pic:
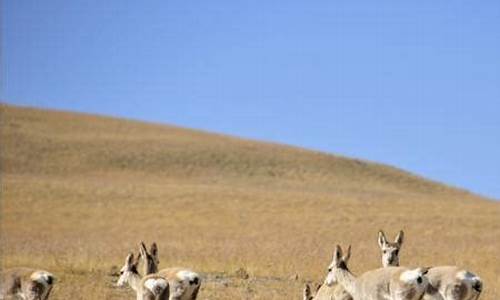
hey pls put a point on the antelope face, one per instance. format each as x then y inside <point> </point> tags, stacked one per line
<point>339,263</point>
<point>390,254</point>
<point>128,270</point>
<point>390,250</point>
<point>124,277</point>
<point>331,279</point>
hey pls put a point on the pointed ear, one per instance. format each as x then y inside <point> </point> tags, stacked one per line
<point>337,254</point>
<point>382,240</point>
<point>154,250</point>
<point>400,238</point>
<point>307,292</point>
<point>130,259</point>
<point>137,260</point>
<point>142,250</point>
<point>346,257</point>
<point>425,270</point>
<point>318,286</point>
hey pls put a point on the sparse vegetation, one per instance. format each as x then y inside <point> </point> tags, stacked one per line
<point>79,191</point>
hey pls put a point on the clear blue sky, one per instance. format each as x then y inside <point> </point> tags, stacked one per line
<point>415,84</point>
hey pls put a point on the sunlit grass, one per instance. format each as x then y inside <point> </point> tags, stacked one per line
<point>80,192</point>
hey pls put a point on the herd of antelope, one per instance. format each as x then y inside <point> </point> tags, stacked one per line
<point>154,284</point>
<point>391,282</point>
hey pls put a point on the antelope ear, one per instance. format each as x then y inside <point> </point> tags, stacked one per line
<point>130,259</point>
<point>337,254</point>
<point>307,292</point>
<point>425,270</point>
<point>318,286</point>
<point>400,238</point>
<point>346,257</point>
<point>382,240</point>
<point>142,250</point>
<point>137,260</point>
<point>154,250</point>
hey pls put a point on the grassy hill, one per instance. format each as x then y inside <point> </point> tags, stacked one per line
<point>80,191</point>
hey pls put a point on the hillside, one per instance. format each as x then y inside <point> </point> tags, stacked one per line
<point>48,143</point>
<point>80,191</point>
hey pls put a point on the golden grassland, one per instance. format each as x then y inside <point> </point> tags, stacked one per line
<point>79,192</point>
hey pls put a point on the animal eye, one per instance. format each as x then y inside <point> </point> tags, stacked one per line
<point>329,269</point>
<point>385,251</point>
<point>121,272</point>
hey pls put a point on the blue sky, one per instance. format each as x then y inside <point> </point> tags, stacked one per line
<point>412,84</point>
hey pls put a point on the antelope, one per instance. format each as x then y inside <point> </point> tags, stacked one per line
<point>445,282</point>
<point>184,283</point>
<point>453,283</point>
<point>390,250</point>
<point>394,283</point>
<point>26,283</point>
<point>149,287</point>
<point>390,257</point>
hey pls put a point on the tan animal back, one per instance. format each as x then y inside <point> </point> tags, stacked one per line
<point>155,287</point>
<point>335,292</point>
<point>27,283</point>
<point>451,282</point>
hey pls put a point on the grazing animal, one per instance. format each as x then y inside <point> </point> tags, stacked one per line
<point>26,284</point>
<point>452,283</point>
<point>390,250</point>
<point>445,282</point>
<point>149,287</point>
<point>390,257</point>
<point>184,283</point>
<point>394,283</point>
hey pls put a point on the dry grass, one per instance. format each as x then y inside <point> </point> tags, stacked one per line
<point>79,192</point>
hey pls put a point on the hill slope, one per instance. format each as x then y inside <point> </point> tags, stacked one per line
<point>79,191</point>
<point>48,143</point>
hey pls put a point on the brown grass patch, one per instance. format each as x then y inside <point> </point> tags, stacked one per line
<point>79,192</point>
